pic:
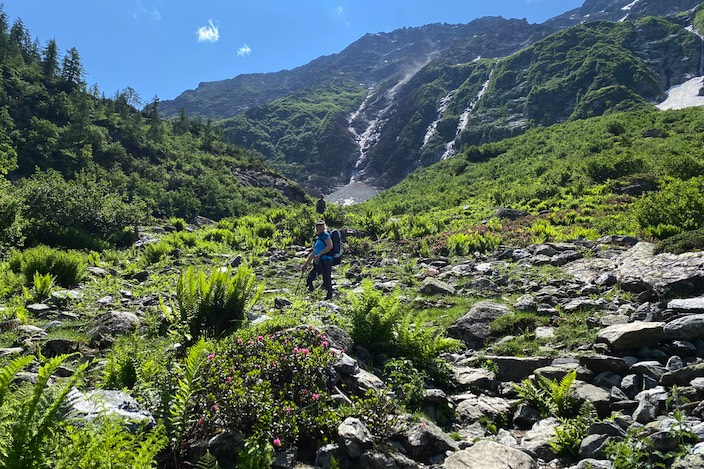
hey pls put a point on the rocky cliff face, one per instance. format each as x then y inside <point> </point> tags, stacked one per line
<point>433,89</point>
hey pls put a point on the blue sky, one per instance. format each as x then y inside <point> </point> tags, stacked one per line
<point>164,47</point>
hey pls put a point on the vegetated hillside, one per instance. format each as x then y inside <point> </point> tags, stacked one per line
<point>612,174</point>
<point>412,117</point>
<point>60,140</point>
<point>370,60</point>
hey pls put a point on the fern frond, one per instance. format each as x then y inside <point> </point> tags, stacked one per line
<point>8,372</point>
<point>187,387</point>
<point>208,461</point>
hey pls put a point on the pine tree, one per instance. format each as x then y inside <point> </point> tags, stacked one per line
<point>72,70</point>
<point>50,63</point>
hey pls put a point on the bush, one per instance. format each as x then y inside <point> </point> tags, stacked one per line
<point>60,212</point>
<point>154,252</point>
<point>679,204</point>
<point>374,316</point>
<point>178,223</point>
<point>272,388</point>
<point>462,244</point>
<point>67,267</point>
<point>209,306</point>
<point>683,242</point>
<point>406,382</point>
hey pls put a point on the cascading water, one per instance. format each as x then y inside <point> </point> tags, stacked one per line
<point>464,119</point>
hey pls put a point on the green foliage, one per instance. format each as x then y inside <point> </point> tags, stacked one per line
<point>683,242</point>
<point>255,454</point>
<point>106,442</point>
<point>462,244</point>
<point>571,431</point>
<point>209,306</point>
<point>208,461</point>
<point>272,388</point>
<point>30,416</point>
<point>374,316</point>
<point>43,284</point>
<point>406,382</point>
<point>75,213</point>
<point>180,411</point>
<point>178,223</point>
<point>678,203</point>
<point>550,397</point>
<point>66,267</point>
<point>154,252</point>
<point>516,322</point>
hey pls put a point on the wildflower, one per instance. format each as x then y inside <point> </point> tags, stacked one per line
<point>240,341</point>
<point>288,410</point>
<point>325,343</point>
<point>316,396</point>
<point>211,356</point>
<point>260,338</point>
<point>200,421</point>
<point>216,407</point>
<point>276,442</point>
<point>229,380</point>
<point>295,349</point>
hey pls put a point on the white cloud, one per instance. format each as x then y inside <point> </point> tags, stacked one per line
<point>244,51</point>
<point>208,33</point>
<point>152,14</point>
<point>340,11</point>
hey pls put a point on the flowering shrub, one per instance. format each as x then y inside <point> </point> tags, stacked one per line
<point>272,388</point>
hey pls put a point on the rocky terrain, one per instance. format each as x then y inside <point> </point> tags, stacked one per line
<point>643,374</point>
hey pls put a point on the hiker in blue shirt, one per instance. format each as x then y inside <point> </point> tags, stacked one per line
<point>321,258</point>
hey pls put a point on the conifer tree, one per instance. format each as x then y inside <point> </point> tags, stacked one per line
<point>50,62</point>
<point>72,70</point>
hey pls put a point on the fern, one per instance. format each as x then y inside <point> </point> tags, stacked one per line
<point>8,373</point>
<point>549,396</point>
<point>37,416</point>
<point>208,461</point>
<point>179,412</point>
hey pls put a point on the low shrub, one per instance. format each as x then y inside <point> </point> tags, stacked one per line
<point>67,267</point>
<point>683,242</point>
<point>154,252</point>
<point>210,306</point>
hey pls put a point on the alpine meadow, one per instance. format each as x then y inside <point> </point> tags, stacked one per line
<point>515,219</point>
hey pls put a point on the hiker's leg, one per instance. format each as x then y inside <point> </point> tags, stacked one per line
<point>326,267</point>
<point>311,276</point>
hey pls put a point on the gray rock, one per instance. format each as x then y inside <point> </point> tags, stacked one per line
<point>607,427</point>
<point>98,402</point>
<point>11,351</point>
<point>525,417</point>
<point>688,461</point>
<point>674,363</point>
<point>586,392</point>
<point>631,385</point>
<point>592,464</point>
<point>39,308</point>
<point>56,347</point>
<point>433,286</point>
<point>471,408</point>
<point>537,439</point>
<point>480,378</point>
<point>423,441</point>
<point>686,328</point>
<point>473,327</point>
<point>594,446</point>
<point>631,336</point>
<point>517,368</point>
<point>114,323</point>
<point>510,213</point>
<point>373,459</point>
<point>97,271</point>
<point>683,376</point>
<point>338,338</point>
<point>362,381</point>
<point>325,455</point>
<point>354,437</point>
<point>687,305</point>
<point>489,455</point>
<point>590,269</point>
<point>525,303</point>
<point>663,274</point>
<point>604,363</point>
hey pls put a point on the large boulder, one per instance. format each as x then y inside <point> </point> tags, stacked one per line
<point>489,455</point>
<point>96,403</point>
<point>665,275</point>
<point>632,335</point>
<point>686,328</point>
<point>473,328</point>
<point>424,441</point>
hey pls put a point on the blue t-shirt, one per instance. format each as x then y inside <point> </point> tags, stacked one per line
<point>320,245</point>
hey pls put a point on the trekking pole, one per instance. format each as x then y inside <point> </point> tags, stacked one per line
<point>300,279</point>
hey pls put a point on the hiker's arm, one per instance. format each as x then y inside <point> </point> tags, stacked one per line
<point>309,259</point>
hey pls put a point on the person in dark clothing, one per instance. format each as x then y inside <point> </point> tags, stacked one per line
<point>320,204</point>
<point>321,259</point>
